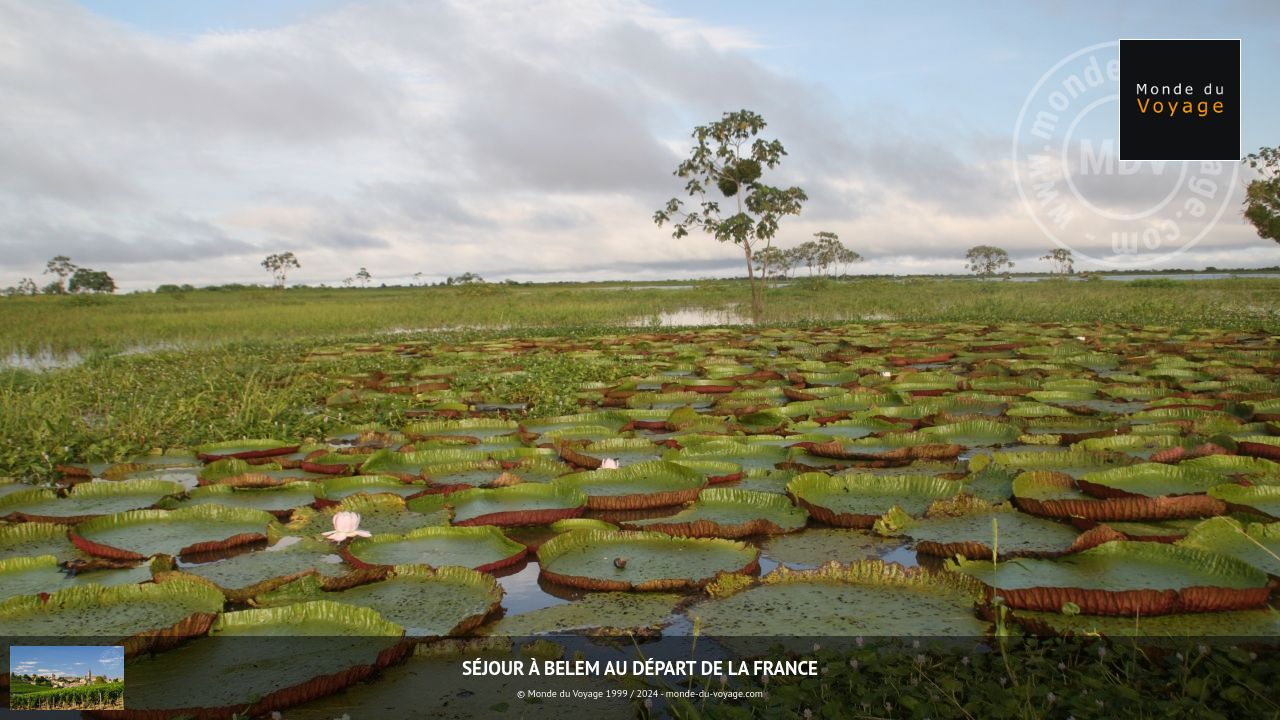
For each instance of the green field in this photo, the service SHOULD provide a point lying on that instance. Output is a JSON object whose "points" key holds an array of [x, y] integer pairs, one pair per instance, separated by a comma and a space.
{"points": [[34, 697], [228, 373], [88, 323]]}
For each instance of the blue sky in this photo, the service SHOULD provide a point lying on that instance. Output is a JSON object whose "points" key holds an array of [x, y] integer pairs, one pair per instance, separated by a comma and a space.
{"points": [[70, 660], [183, 141]]}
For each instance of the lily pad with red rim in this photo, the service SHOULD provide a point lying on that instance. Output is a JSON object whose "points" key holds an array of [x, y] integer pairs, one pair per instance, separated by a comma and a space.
{"points": [[648, 561], [1125, 578], [138, 534], [729, 513], [521, 504], [857, 500], [483, 548], [244, 449], [636, 487], [427, 602]]}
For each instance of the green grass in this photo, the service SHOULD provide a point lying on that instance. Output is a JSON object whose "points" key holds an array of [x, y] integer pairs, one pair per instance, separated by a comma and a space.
{"points": [[104, 695], [96, 324]]}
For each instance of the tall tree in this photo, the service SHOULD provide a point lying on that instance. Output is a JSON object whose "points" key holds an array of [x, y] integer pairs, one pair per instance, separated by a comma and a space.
{"points": [[771, 258], [987, 260], [279, 265], [364, 277], [62, 267], [94, 281], [1060, 260], [1262, 196], [729, 156]]}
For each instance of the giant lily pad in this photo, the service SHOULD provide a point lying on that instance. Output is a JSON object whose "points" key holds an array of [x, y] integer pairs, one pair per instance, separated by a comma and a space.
{"points": [[1055, 494], [87, 500], [972, 529], [974, 433], [244, 449], [1255, 543], [144, 616], [864, 598], [138, 534], [31, 538], [605, 614], [425, 601], [857, 500], [523, 504], [482, 548], [244, 575], [729, 513], [330, 646], [819, 546], [42, 574], [379, 514], [1252, 624], [618, 560], [1125, 578], [1148, 480], [1263, 499], [636, 487], [340, 487], [279, 500]]}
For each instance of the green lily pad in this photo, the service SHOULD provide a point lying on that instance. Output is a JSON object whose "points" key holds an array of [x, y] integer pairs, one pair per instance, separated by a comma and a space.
{"points": [[1125, 578], [425, 601], [603, 560], [116, 612], [1255, 543], [31, 575], [138, 534], [605, 613], [32, 538], [972, 533], [243, 449], [88, 499], [868, 598], [729, 513], [523, 504], [244, 575], [974, 433], [482, 548], [1264, 499], [857, 500], [636, 487], [338, 488], [332, 645], [273, 499], [819, 546], [1149, 480], [1252, 624], [380, 514]]}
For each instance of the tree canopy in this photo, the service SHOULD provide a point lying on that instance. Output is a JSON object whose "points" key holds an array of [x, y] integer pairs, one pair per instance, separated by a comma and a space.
{"points": [[729, 156], [1262, 196]]}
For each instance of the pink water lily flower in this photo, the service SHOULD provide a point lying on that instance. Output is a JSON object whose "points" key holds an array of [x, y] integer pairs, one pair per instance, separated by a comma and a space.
{"points": [[346, 525], [609, 464]]}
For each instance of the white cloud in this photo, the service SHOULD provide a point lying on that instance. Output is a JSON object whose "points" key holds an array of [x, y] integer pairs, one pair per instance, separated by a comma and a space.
{"points": [[515, 140]]}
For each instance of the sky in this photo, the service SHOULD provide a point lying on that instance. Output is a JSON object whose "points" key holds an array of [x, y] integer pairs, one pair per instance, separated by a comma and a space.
{"points": [[68, 660], [182, 142]]}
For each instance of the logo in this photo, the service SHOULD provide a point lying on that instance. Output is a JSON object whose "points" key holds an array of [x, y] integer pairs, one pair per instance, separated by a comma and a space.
{"points": [[1066, 163]]}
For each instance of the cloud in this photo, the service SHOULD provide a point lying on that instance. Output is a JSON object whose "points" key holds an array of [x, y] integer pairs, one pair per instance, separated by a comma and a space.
{"points": [[509, 139]]}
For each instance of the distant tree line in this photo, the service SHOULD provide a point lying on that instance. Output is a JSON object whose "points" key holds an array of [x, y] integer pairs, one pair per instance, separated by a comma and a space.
{"points": [[69, 278]]}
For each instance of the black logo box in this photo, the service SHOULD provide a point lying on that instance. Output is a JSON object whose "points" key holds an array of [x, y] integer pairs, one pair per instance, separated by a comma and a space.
{"points": [[1205, 73]]}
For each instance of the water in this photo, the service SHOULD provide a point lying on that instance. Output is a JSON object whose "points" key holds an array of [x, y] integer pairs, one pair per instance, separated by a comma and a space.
{"points": [[692, 317], [46, 359]]}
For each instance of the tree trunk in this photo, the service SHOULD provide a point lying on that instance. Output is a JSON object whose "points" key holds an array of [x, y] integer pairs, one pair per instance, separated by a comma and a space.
{"points": [[757, 302]]}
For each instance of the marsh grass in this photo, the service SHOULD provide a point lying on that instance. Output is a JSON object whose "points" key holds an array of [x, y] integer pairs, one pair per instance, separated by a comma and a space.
{"points": [[32, 325]]}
